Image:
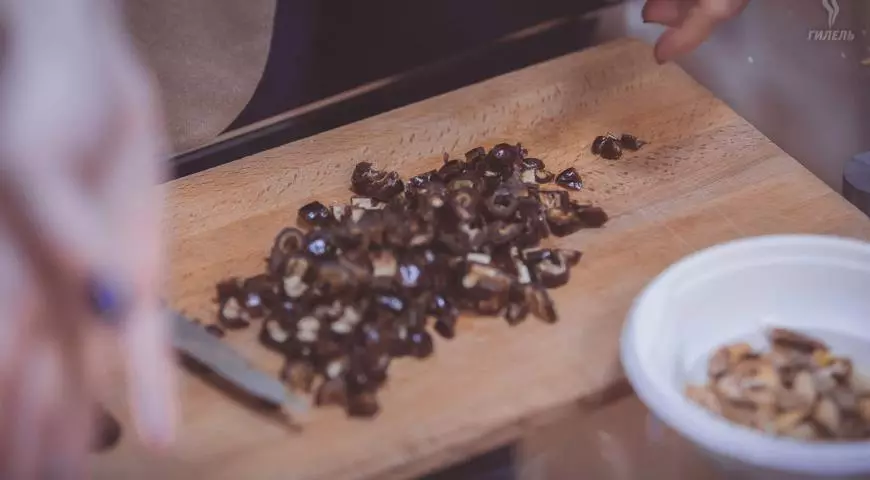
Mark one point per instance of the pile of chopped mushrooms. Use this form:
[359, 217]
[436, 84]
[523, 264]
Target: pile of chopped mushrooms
[798, 389]
[359, 284]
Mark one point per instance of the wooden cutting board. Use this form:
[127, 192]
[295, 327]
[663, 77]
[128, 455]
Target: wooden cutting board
[707, 176]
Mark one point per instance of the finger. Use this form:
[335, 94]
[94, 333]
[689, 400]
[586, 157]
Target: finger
[670, 13]
[678, 41]
[137, 210]
[151, 382]
[37, 398]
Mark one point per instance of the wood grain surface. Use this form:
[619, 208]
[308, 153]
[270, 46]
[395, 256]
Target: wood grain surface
[707, 176]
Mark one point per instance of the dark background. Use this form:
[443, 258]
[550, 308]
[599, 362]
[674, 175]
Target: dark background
[322, 48]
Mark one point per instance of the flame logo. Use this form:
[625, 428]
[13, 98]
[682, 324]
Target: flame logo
[833, 9]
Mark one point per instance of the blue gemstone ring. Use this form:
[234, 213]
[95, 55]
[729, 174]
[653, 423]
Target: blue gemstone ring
[106, 302]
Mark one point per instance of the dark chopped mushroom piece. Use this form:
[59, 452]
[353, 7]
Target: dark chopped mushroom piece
[503, 155]
[364, 404]
[477, 153]
[315, 214]
[232, 314]
[366, 203]
[321, 244]
[368, 281]
[331, 392]
[563, 222]
[631, 142]
[570, 179]
[231, 287]
[592, 217]
[544, 176]
[533, 164]
[260, 292]
[451, 169]
[554, 198]
[572, 257]
[419, 343]
[215, 330]
[540, 304]
[287, 242]
[369, 182]
[611, 149]
[275, 335]
[464, 202]
[552, 271]
[598, 143]
[502, 204]
[424, 179]
[298, 375]
[297, 278]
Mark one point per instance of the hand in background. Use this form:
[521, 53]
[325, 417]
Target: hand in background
[690, 22]
[80, 160]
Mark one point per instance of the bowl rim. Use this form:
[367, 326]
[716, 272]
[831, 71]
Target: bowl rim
[710, 431]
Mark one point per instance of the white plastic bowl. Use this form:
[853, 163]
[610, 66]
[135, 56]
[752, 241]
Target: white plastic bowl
[735, 291]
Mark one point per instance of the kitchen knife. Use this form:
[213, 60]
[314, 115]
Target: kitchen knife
[194, 341]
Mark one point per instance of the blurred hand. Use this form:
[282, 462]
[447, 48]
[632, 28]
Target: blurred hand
[690, 22]
[80, 160]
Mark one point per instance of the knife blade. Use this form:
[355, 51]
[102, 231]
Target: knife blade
[193, 340]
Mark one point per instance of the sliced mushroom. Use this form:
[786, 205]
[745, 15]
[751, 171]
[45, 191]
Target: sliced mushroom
[554, 199]
[516, 313]
[705, 397]
[795, 341]
[631, 142]
[419, 343]
[369, 182]
[231, 287]
[540, 304]
[590, 217]
[298, 375]
[610, 148]
[451, 169]
[215, 330]
[570, 179]
[502, 204]
[544, 176]
[275, 335]
[533, 164]
[315, 214]
[384, 264]
[366, 203]
[552, 271]
[321, 244]
[464, 203]
[563, 222]
[332, 392]
[364, 404]
[232, 315]
[289, 241]
[828, 416]
[334, 280]
[475, 154]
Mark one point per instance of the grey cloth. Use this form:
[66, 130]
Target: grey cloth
[207, 57]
